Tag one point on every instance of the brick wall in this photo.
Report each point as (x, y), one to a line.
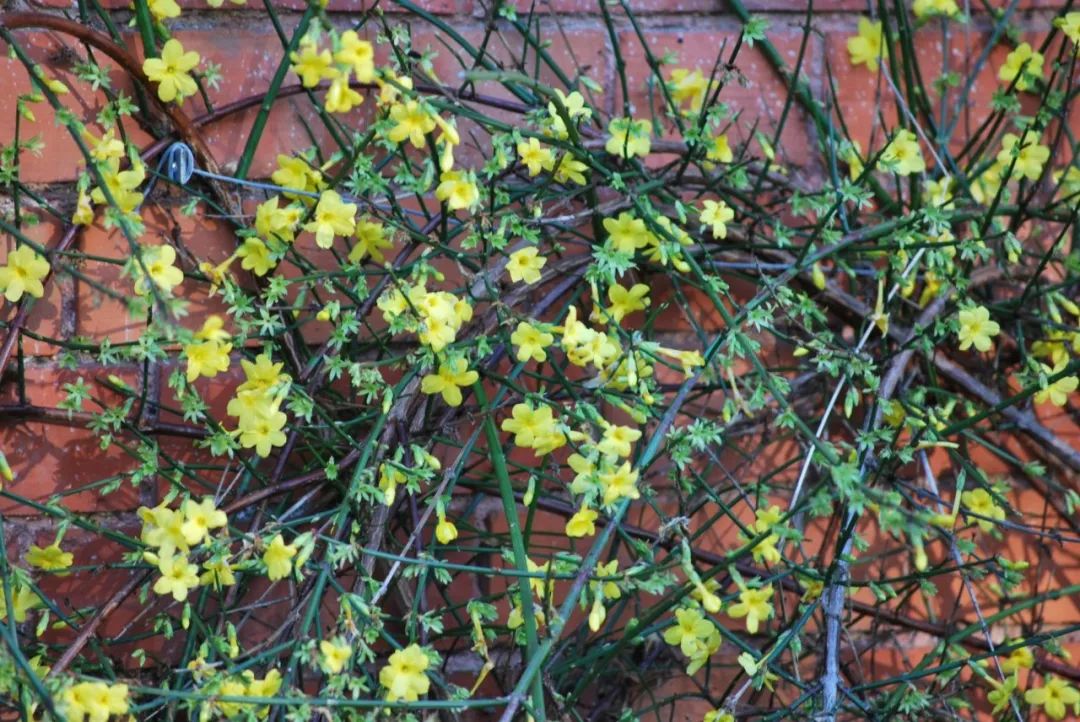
(54, 457)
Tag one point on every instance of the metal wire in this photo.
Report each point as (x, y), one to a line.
(177, 165)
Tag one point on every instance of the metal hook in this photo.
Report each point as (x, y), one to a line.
(179, 163)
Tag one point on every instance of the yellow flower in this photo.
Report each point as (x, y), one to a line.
(84, 211)
(164, 9)
(607, 589)
(977, 329)
(388, 82)
(457, 190)
(853, 158)
(534, 429)
(412, 120)
(392, 303)
(1019, 658)
(357, 54)
(939, 193)
(1030, 155)
(404, 675)
(206, 358)
(218, 573)
(716, 214)
(625, 301)
(334, 654)
(261, 423)
(575, 108)
(279, 224)
(371, 241)
(278, 558)
(199, 518)
(24, 599)
(929, 8)
(626, 233)
(582, 523)
(661, 250)
(94, 701)
(690, 628)
(213, 329)
(689, 85)
(583, 345)
(755, 605)
(765, 550)
(255, 257)
(170, 71)
(1002, 693)
(597, 614)
(629, 137)
(719, 150)
(865, 48)
(1053, 697)
(440, 314)
(107, 147)
(178, 576)
(525, 264)
(158, 261)
(162, 528)
(1070, 25)
(449, 379)
(445, 531)
(262, 375)
(979, 501)
(332, 217)
(340, 98)
(619, 484)
(718, 715)
(618, 440)
(1058, 392)
(23, 273)
(705, 594)
(535, 156)
(570, 169)
(295, 173)
(705, 648)
(390, 477)
(121, 185)
(1023, 65)
(312, 64)
(51, 558)
(268, 686)
(986, 186)
(531, 342)
(903, 155)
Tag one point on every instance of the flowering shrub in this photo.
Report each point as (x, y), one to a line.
(529, 391)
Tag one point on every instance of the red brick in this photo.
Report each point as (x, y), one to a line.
(196, 239)
(54, 458)
(49, 459)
